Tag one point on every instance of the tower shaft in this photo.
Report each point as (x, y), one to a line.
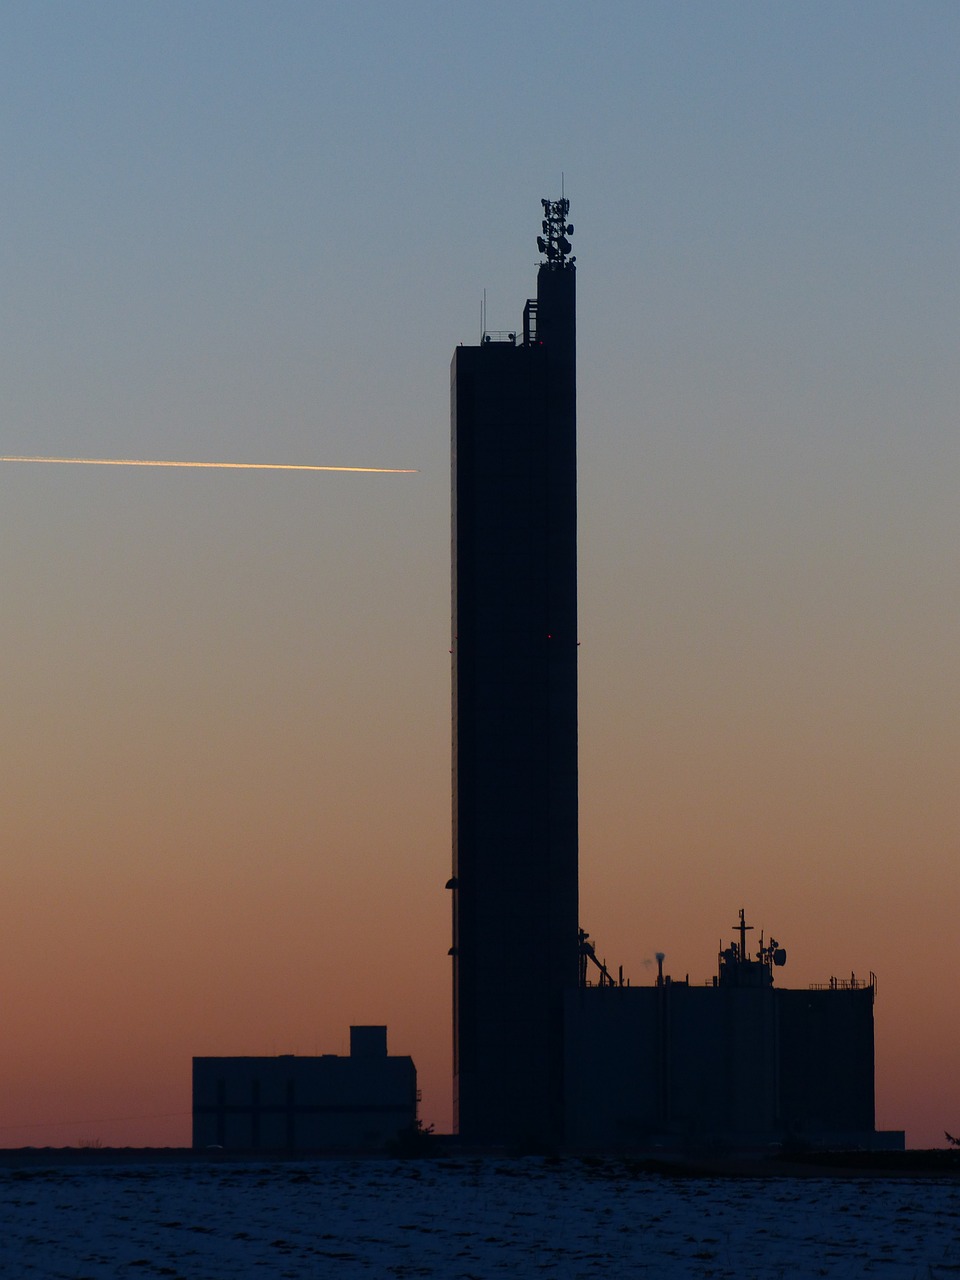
(513, 418)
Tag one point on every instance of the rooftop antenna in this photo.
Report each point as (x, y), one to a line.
(743, 927)
(553, 243)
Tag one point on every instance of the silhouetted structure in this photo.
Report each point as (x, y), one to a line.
(737, 1061)
(540, 1055)
(513, 410)
(289, 1103)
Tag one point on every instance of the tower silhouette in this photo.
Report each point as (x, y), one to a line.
(515, 891)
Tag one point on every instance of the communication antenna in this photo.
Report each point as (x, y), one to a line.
(553, 243)
(743, 927)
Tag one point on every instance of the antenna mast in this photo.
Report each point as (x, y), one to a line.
(553, 244)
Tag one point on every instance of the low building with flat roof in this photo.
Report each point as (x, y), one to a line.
(292, 1103)
(735, 1063)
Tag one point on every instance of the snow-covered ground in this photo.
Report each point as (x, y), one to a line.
(466, 1218)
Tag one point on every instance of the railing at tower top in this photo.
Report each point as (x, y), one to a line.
(853, 983)
(509, 336)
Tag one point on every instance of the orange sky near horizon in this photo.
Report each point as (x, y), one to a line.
(232, 829)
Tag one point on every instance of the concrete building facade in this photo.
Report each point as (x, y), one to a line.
(735, 1062)
(290, 1103)
(514, 883)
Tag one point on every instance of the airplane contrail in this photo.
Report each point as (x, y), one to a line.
(229, 466)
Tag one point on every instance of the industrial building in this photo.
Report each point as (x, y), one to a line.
(550, 1049)
(542, 1056)
(291, 1103)
(736, 1061)
(514, 883)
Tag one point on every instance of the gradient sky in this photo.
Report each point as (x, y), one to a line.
(254, 232)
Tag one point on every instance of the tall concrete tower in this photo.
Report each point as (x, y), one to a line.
(515, 945)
